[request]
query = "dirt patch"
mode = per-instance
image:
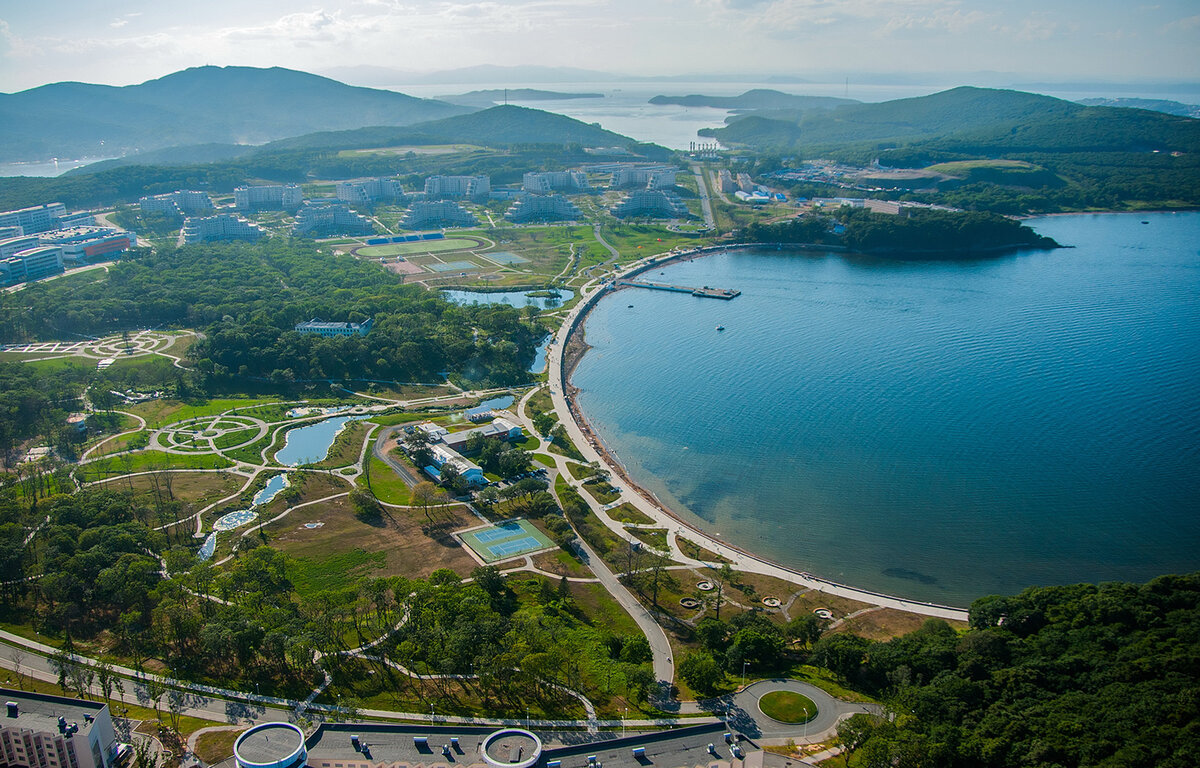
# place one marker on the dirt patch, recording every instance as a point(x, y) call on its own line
point(414, 545)
point(887, 623)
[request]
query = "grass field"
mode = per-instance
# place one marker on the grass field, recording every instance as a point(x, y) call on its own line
point(147, 460)
point(385, 483)
point(424, 246)
point(787, 707)
point(962, 167)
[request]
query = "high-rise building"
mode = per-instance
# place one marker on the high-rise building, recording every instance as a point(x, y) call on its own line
point(177, 203)
point(543, 208)
point(367, 191)
point(541, 182)
point(474, 187)
point(442, 213)
point(271, 197)
point(648, 176)
point(324, 218)
point(223, 226)
point(38, 218)
point(44, 731)
point(651, 203)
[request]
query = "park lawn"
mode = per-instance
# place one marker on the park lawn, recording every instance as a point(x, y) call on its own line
point(237, 437)
point(963, 167)
point(251, 454)
point(215, 746)
point(564, 447)
point(412, 545)
point(408, 391)
point(311, 575)
point(694, 550)
point(888, 623)
point(563, 563)
point(543, 459)
point(600, 609)
point(635, 241)
point(602, 492)
point(627, 513)
point(142, 461)
point(387, 486)
point(194, 489)
point(158, 413)
point(580, 471)
point(654, 537)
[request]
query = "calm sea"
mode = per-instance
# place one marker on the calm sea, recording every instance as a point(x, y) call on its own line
point(935, 429)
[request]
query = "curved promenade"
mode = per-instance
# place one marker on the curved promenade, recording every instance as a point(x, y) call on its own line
point(588, 444)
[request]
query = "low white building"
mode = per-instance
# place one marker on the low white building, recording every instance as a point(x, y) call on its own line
point(322, 328)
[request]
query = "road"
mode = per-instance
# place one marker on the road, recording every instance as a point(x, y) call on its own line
point(705, 201)
point(381, 453)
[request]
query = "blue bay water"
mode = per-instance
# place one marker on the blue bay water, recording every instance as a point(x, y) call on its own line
point(939, 430)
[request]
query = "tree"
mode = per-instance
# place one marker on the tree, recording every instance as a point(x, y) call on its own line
point(423, 494)
point(366, 507)
point(805, 629)
point(702, 673)
point(636, 650)
point(854, 731)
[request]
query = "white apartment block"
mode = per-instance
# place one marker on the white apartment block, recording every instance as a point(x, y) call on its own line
point(177, 203)
point(369, 191)
point(651, 203)
point(443, 213)
point(725, 180)
point(44, 731)
point(330, 218)
point(223, 226)
point(650, 177)
point(457, 186)
point(543, 208)
point(542, 182)
point(285, 196)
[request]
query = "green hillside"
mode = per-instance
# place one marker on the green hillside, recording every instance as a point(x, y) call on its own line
point(202, 105)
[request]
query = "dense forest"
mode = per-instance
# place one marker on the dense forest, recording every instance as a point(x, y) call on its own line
point(915, 231)
point(247, 299)
point(101, 582)
point(1062, 677)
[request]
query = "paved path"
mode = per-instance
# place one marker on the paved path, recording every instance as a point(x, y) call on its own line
point(705, 202)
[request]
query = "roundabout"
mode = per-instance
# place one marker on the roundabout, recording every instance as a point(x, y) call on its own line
point(787, 707)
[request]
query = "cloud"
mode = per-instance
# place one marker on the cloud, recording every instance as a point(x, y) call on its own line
point(1188, 23)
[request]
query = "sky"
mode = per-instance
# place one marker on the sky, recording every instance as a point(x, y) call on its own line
point(120, 42)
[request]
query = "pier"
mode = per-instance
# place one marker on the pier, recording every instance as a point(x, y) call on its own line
point(704, 293)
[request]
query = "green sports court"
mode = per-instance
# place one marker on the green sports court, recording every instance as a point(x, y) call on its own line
point(506, 540)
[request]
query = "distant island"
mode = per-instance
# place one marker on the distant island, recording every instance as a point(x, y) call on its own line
point(758, 98)
point(492, 95)
point(1154, 105)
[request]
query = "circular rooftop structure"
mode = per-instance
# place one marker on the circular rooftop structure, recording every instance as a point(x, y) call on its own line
point(511, 748)
point(270, 745)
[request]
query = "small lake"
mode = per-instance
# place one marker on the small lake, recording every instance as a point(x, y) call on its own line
point(497, 403)
point(539, 355)
point(512, 298)
point(308, 445)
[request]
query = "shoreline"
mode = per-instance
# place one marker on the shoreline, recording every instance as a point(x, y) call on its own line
point(588, 441)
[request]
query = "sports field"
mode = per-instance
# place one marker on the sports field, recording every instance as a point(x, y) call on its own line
point(506, 540)
point(422, 246)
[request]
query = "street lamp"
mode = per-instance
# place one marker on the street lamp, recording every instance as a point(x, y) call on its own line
point(623, 719)
point(744, 663)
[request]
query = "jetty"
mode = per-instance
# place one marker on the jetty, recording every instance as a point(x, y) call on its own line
point(704, 293)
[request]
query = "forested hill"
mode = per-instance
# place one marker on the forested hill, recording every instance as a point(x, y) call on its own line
point(917, 232)
point(991, 116)
point(236, 105)
point(1055, 677)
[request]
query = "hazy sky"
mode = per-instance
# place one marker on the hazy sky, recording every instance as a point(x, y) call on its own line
point(128, 41)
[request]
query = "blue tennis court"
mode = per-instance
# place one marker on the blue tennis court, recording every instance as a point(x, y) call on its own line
point(453, 266)
point(512, 538)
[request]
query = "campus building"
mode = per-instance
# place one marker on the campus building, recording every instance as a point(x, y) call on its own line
point(38, 218)
point(31, 264)
point(10, 245)
point(44, 731)
point(473, 187)
point(543, 208)
point(541, 182)
point(271, 197)
point(178, 203)
point(368, 191)
point(325, 218)
point(745, 183)
point(223, 226)
point(654, 204)
point(648, 176)
point(82, 245)
point(499, 428)
point(442, 213)
point(321, 328)
point(725, 180)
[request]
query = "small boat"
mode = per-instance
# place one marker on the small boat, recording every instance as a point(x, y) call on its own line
point(1145, 222)
point(720, 327)
point(631, 306)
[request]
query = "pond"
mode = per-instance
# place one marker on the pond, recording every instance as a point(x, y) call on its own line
point(310, 444)
point(512, 298)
